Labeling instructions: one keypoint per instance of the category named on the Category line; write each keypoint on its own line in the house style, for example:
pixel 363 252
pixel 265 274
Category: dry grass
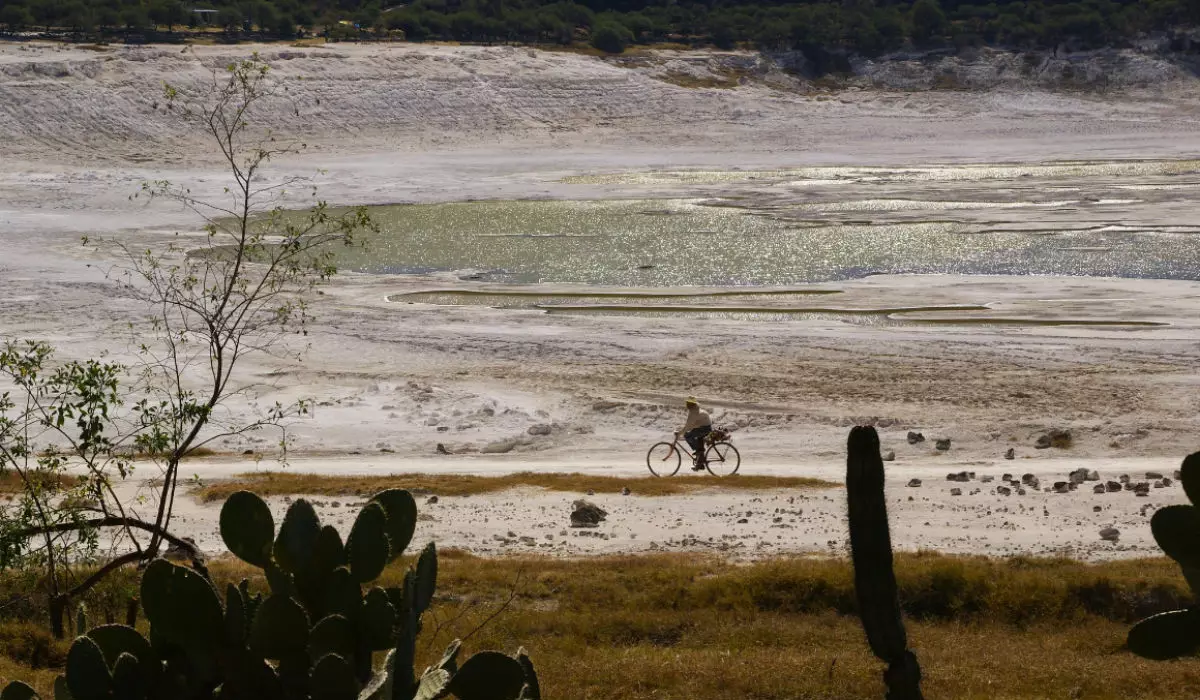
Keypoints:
pixel 682 626
pixel 290 483
pixel 724 80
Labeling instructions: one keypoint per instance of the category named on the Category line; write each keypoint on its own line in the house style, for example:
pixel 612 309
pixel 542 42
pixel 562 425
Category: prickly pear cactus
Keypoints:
pixel 874 577
pixel 1176 529
pixel 311 638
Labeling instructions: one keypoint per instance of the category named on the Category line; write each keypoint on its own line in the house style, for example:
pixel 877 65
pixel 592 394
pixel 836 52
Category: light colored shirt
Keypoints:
pixel 696 419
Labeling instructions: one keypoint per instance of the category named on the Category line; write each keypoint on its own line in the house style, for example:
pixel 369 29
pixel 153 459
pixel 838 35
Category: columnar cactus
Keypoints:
pixel 874 577
pixel 311 638
pixel 1177 530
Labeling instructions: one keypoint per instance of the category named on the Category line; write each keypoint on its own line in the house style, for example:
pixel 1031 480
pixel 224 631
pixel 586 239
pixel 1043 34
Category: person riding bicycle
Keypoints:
pixel 697 427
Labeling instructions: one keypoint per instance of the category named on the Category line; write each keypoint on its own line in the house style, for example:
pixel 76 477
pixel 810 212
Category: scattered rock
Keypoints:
pixel 1003 490
pixel 1111 486
pixel 955 492
pixel 889 456
pixel 625 491
pixel 1006 477
pixel 959 476
pixel 1151 476
pixel 1011 453
pixel 247 452
pixel 1062 486
pixel 942 445
pixel 1166 482
pixel 1124 478
pixel 988 479
pixel 914 483
pixel 441 449
pixel 1098 488
pixel 1158 484
pixel 743 521
pixel 1078 476
pixel 431 500
pixel 1110 534
pixel 587 514
pixel 540 429
pixel 914 438
pixel 591 492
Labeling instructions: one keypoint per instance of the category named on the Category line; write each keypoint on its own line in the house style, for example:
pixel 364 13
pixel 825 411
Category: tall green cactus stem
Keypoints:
pixel 874 577
pixel 1176 529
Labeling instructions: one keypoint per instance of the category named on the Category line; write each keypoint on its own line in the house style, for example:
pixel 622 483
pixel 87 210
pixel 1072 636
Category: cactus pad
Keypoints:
pixel 488 675
pixel 18 691
pixel 88 676
pixel 1177 531
pixel 248 528
pixel 367 546
pixel 401 511
pixel 181 605
pixel 333 679
pixel 280 629
pixel 426 578
pixel 1167 635
pixel 297 537
pixel 332 635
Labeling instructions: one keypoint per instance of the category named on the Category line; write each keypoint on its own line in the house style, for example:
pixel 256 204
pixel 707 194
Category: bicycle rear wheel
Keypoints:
pixel 663 459
pixel 723 459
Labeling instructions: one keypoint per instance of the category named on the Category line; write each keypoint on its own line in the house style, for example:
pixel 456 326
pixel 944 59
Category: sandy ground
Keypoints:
pixel 80 130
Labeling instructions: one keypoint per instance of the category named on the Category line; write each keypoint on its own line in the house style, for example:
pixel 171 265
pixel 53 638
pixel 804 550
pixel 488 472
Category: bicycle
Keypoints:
pixel 722 458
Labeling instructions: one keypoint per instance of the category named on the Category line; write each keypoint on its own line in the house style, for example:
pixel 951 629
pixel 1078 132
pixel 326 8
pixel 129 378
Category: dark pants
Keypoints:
pixel 695 439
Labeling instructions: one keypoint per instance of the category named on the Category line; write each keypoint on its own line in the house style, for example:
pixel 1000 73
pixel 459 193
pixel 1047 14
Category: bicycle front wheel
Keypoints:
pixel 663 459
pixel 723 459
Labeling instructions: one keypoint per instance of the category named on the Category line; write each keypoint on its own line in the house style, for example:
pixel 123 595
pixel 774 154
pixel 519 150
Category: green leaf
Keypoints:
pixel 368 544
pixel 1167 635
pixel 248 528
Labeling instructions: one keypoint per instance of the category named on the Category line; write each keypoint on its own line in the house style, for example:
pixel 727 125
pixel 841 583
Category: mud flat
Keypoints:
pixel 1026 259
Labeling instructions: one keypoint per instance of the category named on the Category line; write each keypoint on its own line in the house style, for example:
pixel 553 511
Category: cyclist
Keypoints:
pixel 697 427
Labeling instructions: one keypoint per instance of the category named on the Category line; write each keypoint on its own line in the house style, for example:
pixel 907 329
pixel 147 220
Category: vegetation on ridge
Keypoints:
pixel 825 32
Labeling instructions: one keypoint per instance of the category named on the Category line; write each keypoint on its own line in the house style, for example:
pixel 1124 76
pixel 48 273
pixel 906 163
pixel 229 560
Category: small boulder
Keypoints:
pixel 625 491
pixel 1152 476
pixel 1111 486
pixel 1078 476
pixel 1124 478
pixel 1006 478
pixel 987 479
pixel 942 445
pixel 1062 486
pixel 1098 488
pixel 914 438
pixel 587 514
pixel 1110 534
pixel 1096 509
pixel 1003 490
pixel 540 429
pixel 955 492
pixel 1093 475
pixel 1011 453
pixel 914 483
pixel 889 456
pixel 432 500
